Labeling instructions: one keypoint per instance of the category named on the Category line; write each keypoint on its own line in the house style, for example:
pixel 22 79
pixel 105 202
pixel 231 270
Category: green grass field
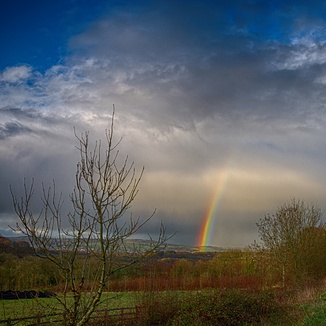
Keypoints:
pixel 32 307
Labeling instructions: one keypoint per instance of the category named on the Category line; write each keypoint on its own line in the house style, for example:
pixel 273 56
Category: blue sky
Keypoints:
pixel 201 89
pixel 38 32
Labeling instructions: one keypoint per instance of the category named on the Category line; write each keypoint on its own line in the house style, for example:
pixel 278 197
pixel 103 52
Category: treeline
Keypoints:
pixel 291 253
pixel 231 269
pixel 17 248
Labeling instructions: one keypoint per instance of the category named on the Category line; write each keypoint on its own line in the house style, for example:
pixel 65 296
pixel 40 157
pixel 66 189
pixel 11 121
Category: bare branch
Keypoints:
pixel 105 188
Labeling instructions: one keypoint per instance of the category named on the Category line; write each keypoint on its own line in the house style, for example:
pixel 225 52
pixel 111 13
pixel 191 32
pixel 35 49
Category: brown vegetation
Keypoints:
pixel 236 269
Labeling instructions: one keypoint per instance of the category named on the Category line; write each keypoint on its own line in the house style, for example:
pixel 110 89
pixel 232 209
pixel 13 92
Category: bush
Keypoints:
pixel 228 308
pixel 161 307
pixel 236 308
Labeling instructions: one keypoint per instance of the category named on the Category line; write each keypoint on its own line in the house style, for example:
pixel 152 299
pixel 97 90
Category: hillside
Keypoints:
pixel 141 245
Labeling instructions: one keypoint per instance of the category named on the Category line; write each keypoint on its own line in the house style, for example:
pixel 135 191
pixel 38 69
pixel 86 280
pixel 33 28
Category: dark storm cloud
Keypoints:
pixel 11 129
pixel 19 113
pixel 33 145
pixel 206 59
pixel 20 122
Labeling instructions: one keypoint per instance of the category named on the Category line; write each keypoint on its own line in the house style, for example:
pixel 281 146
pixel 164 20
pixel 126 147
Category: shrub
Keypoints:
pixel 231 308
pixel 228 308
pixel 161 307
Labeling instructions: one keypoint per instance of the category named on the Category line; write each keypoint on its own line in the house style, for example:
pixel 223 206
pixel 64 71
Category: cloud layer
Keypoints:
pixel 199 88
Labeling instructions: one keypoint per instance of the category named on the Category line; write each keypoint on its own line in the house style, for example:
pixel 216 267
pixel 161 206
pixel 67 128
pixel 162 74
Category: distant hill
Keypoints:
pixel 141 245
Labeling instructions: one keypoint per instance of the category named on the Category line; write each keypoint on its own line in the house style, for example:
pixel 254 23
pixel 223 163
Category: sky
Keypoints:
pixel 223 103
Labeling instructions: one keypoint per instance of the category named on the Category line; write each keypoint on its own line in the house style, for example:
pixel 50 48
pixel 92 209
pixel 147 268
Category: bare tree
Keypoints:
pixel 292 236
pixel 104 189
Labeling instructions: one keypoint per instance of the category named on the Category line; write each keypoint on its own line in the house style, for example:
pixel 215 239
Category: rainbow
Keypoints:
pixel 207 228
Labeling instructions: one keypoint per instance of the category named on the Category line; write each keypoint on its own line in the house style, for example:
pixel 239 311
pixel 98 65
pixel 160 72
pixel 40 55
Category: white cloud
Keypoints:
pixel 302 53
pixel 16 74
